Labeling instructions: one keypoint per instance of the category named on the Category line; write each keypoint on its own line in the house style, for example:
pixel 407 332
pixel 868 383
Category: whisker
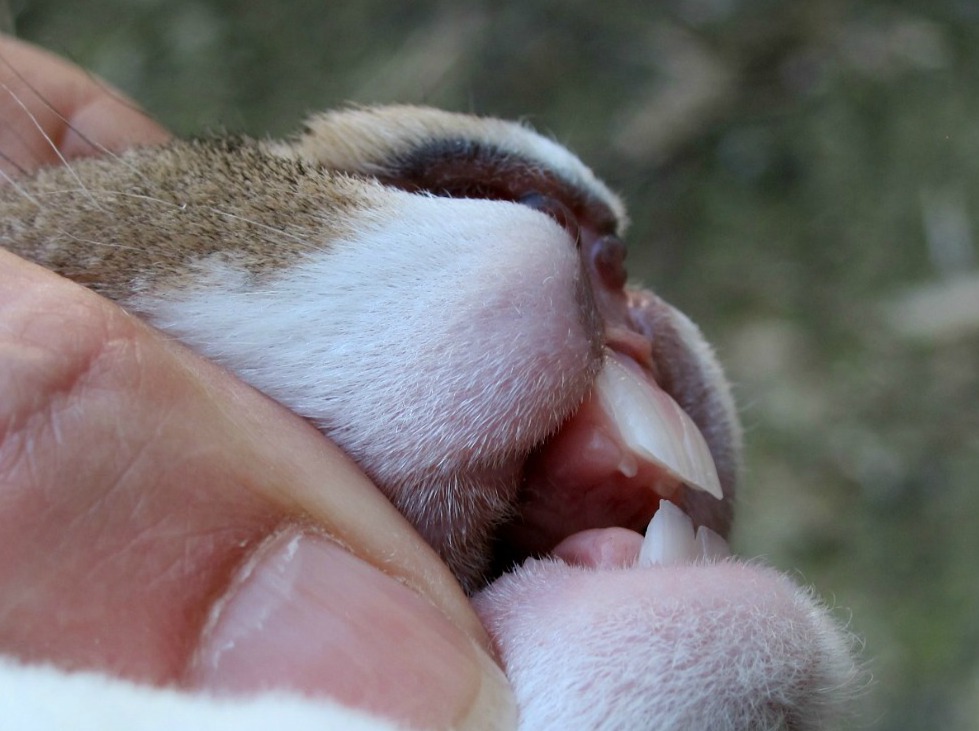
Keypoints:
pixel 270 233
pixel 62 231
pixel 12 133
pixel 258 224
pixel 143 197
pixel 51 108
pixel 172 204
pixel 51 143
pixel 107 90
pixel 12 182
pixel 10 161
pixel 97 243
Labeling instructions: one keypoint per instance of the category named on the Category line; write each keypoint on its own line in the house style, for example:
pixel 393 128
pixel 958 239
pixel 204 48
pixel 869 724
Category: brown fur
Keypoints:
pixel 117 223
pixel 135 226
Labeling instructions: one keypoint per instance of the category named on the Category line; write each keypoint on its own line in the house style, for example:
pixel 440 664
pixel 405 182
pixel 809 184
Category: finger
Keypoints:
pixel 52 111
pixel 139 488
pixel 304 612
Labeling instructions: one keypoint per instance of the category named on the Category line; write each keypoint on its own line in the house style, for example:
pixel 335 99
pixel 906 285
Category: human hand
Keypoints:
pixel 166 523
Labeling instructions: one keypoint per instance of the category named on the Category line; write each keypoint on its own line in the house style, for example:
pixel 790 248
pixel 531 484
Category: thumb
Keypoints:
pixel 305 614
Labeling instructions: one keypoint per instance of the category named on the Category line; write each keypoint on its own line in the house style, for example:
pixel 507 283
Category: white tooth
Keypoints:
pixel 710 545
pixel 669 538
pixel 654 426
pixel 628 466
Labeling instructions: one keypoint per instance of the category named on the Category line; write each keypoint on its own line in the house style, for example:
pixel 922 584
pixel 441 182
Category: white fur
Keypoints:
pixel 723 647
pixel 40 698
pixel 440 312
pixel 461 316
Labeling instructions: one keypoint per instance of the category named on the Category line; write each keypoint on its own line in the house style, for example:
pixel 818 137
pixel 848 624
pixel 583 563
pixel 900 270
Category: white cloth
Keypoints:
pixel 39 698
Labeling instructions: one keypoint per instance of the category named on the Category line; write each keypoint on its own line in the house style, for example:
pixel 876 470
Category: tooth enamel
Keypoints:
pixel 655 427
pixel 669 538
pixel 628 466
pixel 710 545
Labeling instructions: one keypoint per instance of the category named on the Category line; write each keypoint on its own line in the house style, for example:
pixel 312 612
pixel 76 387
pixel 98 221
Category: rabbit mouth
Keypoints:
pixel 658 423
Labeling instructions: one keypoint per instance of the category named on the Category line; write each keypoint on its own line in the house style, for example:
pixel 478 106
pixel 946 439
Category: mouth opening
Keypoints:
pixel 626 452
pixel 630 450
pixel 638 441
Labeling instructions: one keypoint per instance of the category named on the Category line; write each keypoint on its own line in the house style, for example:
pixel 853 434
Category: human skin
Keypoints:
pixel 155 510
pixel 209 546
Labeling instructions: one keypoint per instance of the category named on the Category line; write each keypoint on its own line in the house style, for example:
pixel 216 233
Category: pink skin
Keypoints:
pixel 591 640
pixel 718 646
pixel 151 504
pixel 600 548
pixel 156 512
pixel 588 639
pixel 575 481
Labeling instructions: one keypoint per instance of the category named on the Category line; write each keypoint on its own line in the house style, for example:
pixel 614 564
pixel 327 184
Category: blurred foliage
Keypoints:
pixel 802 179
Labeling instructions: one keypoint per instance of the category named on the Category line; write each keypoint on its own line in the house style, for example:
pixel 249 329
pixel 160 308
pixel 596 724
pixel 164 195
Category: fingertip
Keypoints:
pixel 55 111
pixel 105 121
pixel 306 615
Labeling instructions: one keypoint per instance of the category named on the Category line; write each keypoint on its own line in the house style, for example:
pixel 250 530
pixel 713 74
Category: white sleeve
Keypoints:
pixel 41 698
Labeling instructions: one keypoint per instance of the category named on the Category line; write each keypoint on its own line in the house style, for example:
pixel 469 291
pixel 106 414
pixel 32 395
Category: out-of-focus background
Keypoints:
pixel 804 182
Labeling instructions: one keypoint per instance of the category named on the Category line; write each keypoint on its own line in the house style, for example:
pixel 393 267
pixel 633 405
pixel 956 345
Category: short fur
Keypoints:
pixel 377 276
pixel 238 247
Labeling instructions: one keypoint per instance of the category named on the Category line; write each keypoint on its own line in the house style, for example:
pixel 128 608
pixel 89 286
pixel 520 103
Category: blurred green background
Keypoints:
pixel 803 181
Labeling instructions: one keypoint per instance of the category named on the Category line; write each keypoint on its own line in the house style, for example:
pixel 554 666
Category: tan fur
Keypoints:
pixel 113 222
pixel 408 329
pixel 379 141
pixel 157 225
pixel 119 223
